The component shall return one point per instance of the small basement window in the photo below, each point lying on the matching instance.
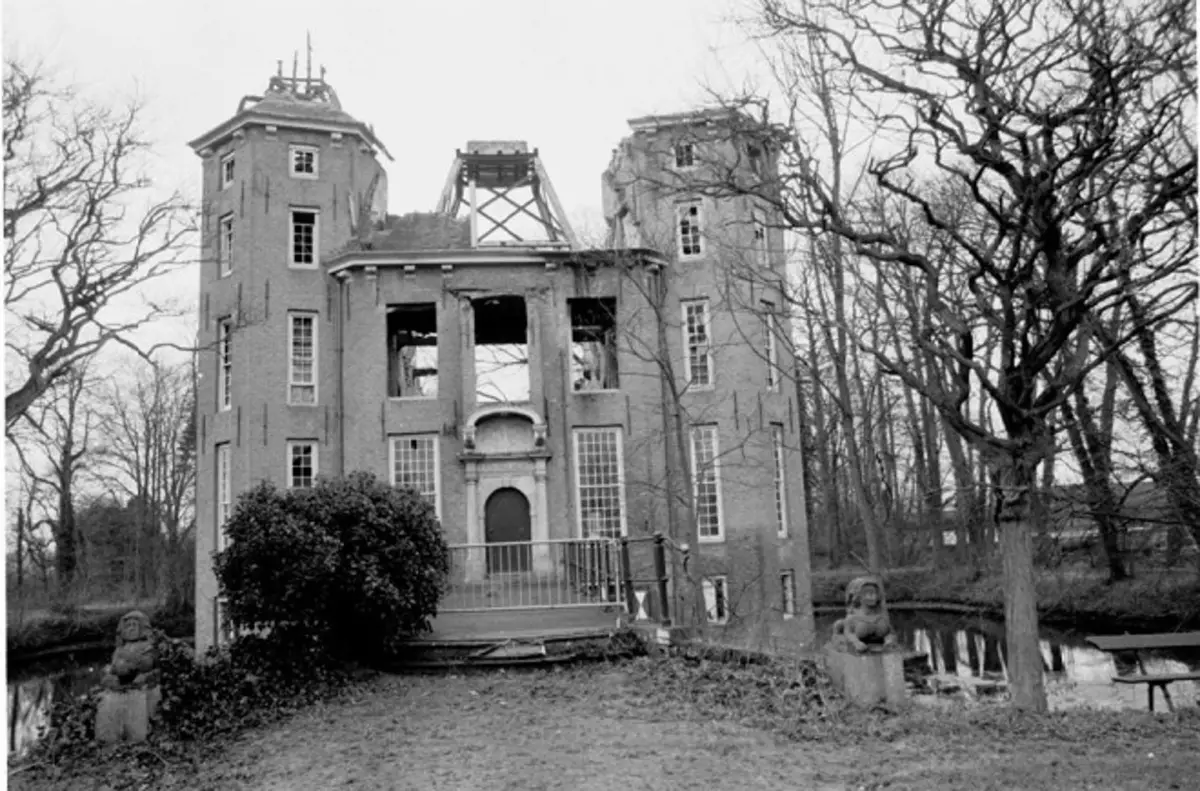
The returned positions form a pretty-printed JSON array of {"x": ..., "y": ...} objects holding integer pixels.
[
  {"x": 412, "y": 344},
  {"x": 594, "y": 343},
  {"x": 501, "y": 350}
]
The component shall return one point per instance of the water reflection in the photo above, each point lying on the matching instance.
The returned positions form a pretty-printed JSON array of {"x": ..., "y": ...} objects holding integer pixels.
[
  {"x": 1076, "y": 673},
  {"x": 31, "y": 698}
]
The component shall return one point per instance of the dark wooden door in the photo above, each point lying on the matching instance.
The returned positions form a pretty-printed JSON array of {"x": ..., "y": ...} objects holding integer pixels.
[{"x": 506, "y": 518}]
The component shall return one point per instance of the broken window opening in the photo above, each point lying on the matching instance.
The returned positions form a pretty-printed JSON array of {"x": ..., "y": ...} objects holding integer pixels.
[
  {"x": 412, "y": 350},
  {"x": 594, "y": 343},
  {"x": 501, "y": 350}
]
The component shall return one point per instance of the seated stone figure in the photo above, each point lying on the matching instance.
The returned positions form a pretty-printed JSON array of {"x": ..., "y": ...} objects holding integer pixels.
[
  {"x": 134, "y": 662},
  {"x": 866, "y": 624}
]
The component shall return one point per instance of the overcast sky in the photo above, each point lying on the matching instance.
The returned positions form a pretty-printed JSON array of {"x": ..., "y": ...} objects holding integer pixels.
[{"x": 564, "y": 76}]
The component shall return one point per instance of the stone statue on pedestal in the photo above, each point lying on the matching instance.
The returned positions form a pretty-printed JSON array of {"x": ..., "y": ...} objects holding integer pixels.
[
  {"x": 866, "y": 626},
  {"x": 131, "y": 683}
]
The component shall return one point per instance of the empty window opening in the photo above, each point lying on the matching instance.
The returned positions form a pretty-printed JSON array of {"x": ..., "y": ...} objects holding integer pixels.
[
  {"x": 412, "y": 351},
  {"x": 501, "y": 350},
  {"x": 755, "y": 155},
  {"x": 594, "y": 343},
  {"x": 716, "y": 599}
]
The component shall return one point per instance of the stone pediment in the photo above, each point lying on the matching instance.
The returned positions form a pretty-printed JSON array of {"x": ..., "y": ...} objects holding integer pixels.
[{"x": 506, "y": 431}]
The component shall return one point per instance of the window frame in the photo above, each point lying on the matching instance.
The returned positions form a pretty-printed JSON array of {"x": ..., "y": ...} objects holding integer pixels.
[
  {"x": 224, "y": 363},
  {"x": 778, "y": 463},
  {"x": 688, "y": 373},
  {"x": 787, "y": 584},
  {"x": 682, "y": 212},
  {"x": 301, "y": 148},
  {"x": 619, "y": 432},
  {"x": 223, "y": 499},
  {"x": 771, "y": 328},
  {"x": 712, "y": 583},
  {"x": 292, "y": 445},
  {"x": 437, "y": 347},
  {"x": 715, "y": 467},
  {"x": 316, "y": 237},
  {"x": 312, "y": 317},
  {"x": 678, "y": 149},
  {"x": 225, "y": 245},
  {"x": 761, "y": 239},
  {"x": 227, "y": 163},
  {"x": 437, "y": 464}
]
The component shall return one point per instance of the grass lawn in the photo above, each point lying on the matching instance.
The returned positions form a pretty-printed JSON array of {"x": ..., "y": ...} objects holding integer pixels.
[{"x": 674, "y": 724}]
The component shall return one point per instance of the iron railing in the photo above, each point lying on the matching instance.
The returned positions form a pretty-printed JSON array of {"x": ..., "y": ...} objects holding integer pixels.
[{"x": 519, "y": 575}]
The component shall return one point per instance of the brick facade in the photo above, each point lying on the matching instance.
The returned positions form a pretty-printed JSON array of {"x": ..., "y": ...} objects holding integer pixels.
[{"x": 354, "y": 419}]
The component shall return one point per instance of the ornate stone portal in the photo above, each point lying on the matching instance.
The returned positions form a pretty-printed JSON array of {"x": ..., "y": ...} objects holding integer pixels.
[
  {"x": 505, "y": 448},
  {"x": 863, "y": 657},
  {"x": 131, "y": 683}
]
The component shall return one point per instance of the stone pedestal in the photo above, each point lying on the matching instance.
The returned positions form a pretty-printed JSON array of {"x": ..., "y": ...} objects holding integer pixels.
[
  {"x": 124, "y": 715},
  {"x": 869, "y": 678}
]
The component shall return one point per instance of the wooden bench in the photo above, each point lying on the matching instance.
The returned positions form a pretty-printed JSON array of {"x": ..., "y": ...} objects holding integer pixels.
[{"x": 1135, "y": 644}]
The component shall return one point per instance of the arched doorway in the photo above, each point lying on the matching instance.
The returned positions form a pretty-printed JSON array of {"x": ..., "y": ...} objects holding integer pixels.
[{"x": 506, "y": 519}]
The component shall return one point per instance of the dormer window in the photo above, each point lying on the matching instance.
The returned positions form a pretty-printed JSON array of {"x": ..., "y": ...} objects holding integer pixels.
[
  {"x": 304, "y": 162},
  {"x": 226, "y": 170},
  {"x": 685, "y": 155}
]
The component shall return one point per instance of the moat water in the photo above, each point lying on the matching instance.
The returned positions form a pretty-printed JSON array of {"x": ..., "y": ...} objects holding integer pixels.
[{"x": 969, "y": 646}]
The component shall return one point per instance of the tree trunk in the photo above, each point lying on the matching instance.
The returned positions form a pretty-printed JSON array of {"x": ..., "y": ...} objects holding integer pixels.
[{"x": 1025, "y": 679}]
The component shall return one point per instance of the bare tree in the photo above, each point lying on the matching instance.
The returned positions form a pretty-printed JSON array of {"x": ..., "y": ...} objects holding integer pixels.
[
  {"x": 55, "y": 450},
  {"x": 149, "y": 459},
  {"x": 83, "y": 233},
  {"x": 1005, "y": 128}
]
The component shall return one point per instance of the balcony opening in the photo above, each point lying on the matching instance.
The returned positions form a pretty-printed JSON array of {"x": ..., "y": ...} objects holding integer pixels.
[
  {"x": 501, "y": 350},
  {"x": 412, "y": 351},
  {"x": 594, "y": 343}
]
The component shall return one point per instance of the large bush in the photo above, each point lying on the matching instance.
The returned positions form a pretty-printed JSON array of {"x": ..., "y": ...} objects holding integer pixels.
[{"x": 353, "y": 561}]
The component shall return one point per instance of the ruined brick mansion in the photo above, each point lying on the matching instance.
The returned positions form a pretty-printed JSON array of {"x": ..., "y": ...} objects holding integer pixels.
[{"x": 532, "y": 389}]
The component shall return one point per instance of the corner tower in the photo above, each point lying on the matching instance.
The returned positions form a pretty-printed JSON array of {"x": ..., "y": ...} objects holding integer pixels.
[{"x": 287, "y": 180}]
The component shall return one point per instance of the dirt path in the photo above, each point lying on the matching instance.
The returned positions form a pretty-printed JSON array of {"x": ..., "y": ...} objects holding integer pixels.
[{"x": 587, "y": 728}]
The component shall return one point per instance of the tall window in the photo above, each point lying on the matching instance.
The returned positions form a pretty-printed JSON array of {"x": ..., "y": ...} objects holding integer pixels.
[
  {"x": 600, "y": 482},
  {"x": 716, "y": 598},
  {"x": 303, "y": 241},
  {"x": 593, "y": 343},
  {"x": 414, "y": 465},
  {"x": 224, "y": 492},
  {"x": 706, "y": 474},
  {"x": 787, "y": 582},
  {"x": 685, "y": 155},
  {"x": 781, "y": 516},
  {"x": 224, "y": 362},
  {"x": 697, "y": 359},
  {"x": 302, "y": 464},
  {"x": 771, "y": 328},
  {"x": 225, "y": 245},
  {"x": 304, "y": 162},
  {"x": 302, "y": 359},
  {"x": 227, "y": 163},
  {"x": 691, "y": 243}
]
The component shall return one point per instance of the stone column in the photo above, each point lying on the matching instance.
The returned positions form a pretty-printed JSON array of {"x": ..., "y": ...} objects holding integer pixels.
[
  {"x": 466, "y": 329},
  {"x": 543, "y": 562},
  {"x": 476, "y": 568}
]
